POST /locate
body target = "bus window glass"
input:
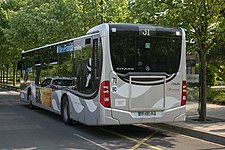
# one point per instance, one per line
(160, 54)
(65, 57)
(144, 53)
(86, 65)
(43, 63)
(28, 73)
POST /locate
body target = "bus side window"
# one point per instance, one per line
(86, 64)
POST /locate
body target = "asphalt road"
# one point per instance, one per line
(23, 128)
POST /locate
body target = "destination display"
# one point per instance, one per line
(67, 47)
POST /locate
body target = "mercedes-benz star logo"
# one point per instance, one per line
(147, 68)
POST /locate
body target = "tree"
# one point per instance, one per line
(8, 56)
(116, 11)
(39, 23)
(203, 21)
(207, 24)
(216, 58)
(28, 24)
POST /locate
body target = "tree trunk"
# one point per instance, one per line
(1, 76)
(14, 76)
(7, 74)
(203, 86)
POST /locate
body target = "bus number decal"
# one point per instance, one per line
(146, 32)
(114, 80)
(114, 89)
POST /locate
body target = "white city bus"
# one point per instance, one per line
(115, 74)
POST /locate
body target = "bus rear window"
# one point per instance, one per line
(137, 53)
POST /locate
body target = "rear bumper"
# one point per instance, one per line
(126, 117)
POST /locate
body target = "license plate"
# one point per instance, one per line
(147, 113)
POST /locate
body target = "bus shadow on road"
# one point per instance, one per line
(117, 136)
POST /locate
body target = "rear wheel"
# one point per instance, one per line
(65, 111)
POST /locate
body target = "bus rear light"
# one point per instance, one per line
(105, 94)
(184, 93)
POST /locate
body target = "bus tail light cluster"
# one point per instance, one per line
(105, 94)
(184, 93)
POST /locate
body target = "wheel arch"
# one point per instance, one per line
(63, 98)
(65, 109)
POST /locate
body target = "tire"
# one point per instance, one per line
(65, 111)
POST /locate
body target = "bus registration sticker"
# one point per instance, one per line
(120, 102)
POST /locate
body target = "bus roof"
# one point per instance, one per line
(119, 26)
(48, 45)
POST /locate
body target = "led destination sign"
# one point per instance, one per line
(67, 47)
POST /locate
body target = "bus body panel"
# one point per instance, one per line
(133, 100)
(162, 100)
(170, 115)
(145, 98)
(81, 110)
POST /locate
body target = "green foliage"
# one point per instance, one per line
(216, 57)
(201, 19)
(216, 96)
(211, 75)
(39, 23)
(116, 13)
(28, 24)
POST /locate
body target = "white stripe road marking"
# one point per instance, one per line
(91, 141)
(9, 92)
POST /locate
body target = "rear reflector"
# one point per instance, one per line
(105, 94)
(184, 93)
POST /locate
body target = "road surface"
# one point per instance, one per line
(23, 128)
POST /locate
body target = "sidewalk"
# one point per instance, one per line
(212, 130)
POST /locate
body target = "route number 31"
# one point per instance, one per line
(146, 32)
